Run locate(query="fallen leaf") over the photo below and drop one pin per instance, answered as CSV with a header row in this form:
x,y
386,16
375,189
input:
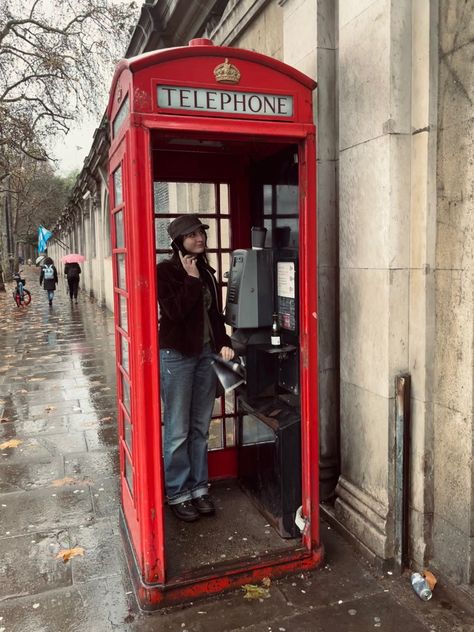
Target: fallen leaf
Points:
x,y
430,578
48,409
4,420
67,480
22,390
67,554
36,379
13,443
252,591
266,581
106,419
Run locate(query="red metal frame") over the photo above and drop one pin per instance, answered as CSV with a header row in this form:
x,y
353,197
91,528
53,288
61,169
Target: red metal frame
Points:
x,y
142,511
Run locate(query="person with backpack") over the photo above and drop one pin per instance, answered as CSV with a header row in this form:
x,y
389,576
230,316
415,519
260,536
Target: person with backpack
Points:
x,y
49,278
72,272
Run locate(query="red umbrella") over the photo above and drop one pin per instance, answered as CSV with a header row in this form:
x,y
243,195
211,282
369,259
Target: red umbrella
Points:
x,y
73,258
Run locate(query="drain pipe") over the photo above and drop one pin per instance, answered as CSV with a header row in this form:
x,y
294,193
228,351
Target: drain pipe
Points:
x,y
402,469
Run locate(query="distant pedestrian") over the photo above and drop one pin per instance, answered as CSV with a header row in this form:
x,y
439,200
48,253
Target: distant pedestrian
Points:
x,y
49,277
72,272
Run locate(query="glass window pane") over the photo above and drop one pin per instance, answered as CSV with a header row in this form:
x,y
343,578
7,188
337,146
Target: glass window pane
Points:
x,y
184,197
119,235
118,195
162,239
229,432
268,237
226,260
124,353
121,279
267,199
161,196
121,115
125,394
224,197
230,403
215,434
217,410
123,312
128,473
255,431
287,233
162,257
127,432
287,199
225,233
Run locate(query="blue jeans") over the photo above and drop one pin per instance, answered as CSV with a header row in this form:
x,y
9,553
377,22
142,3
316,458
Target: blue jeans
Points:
x,y
188,390
50,294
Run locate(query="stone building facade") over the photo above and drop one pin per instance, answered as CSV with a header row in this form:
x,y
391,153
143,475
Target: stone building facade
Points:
x,y
394,116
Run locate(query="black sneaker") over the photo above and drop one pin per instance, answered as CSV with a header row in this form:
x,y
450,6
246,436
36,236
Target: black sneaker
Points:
x,y
185,511
204,505
50,301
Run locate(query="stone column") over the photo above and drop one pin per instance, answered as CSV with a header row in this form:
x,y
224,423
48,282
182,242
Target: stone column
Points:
x,y
374,155
309,44
453,518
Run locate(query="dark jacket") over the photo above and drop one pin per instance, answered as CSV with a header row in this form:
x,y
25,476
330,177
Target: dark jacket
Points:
x,y
72,270
181,302
49,284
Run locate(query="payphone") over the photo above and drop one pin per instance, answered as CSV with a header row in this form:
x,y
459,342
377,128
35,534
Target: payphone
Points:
x,y
262,283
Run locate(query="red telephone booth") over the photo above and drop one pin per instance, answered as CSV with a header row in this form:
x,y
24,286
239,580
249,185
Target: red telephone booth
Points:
x,y
227,134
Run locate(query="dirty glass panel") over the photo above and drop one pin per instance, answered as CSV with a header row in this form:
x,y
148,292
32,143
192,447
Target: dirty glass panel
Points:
x,y
121,280
123,312
121,116
230,432
225,233
162,257
211,233
255,431
162,239
128,473
267,223
127,432
267,198
224,197
118,195
217,410
287,233
230,402
286,199
184,197
119,234
126,394
124,353
215,434
161,197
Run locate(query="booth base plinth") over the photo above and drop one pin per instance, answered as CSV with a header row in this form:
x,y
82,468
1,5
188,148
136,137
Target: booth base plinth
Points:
x,y
235,547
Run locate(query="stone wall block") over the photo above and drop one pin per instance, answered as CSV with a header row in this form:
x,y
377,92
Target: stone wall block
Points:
x,y
421,333
420,66
456,89
457,19
328,221
327,318
326,23
364,204
325,104
421,456
364,323
348,9
419,247
364,76
328,431
454,340
400,66
299,30
451,550
364,440
452,467
399,217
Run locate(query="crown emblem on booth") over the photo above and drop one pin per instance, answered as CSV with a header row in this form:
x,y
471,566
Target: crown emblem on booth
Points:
x,y
227,73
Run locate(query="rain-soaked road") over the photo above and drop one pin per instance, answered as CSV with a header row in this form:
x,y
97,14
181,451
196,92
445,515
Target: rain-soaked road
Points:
x,y
59,490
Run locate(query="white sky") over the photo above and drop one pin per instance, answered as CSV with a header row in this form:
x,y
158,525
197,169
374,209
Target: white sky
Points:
x,y
71,150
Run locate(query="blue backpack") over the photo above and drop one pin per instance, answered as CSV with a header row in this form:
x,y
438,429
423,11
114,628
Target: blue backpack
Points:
x,y
48,273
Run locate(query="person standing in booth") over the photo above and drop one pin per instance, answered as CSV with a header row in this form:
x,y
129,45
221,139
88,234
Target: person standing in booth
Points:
x,y
191,329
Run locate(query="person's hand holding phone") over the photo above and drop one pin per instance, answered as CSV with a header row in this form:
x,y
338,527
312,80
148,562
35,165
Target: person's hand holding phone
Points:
x,y
189,263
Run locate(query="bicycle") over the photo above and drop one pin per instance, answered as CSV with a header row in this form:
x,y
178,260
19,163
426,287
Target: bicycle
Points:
x,y
21,296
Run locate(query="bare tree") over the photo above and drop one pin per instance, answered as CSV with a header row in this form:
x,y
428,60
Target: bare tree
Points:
x,y
56,59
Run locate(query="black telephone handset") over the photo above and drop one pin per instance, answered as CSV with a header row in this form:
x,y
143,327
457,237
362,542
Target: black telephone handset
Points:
x,y
178,249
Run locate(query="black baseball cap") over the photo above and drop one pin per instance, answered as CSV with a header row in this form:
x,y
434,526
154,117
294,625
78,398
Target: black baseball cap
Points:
x,y
185,224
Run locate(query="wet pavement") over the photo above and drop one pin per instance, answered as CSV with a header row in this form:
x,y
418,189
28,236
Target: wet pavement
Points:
x,y
59,490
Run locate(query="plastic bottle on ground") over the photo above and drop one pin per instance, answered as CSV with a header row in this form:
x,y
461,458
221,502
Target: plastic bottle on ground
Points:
x,y
420,586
